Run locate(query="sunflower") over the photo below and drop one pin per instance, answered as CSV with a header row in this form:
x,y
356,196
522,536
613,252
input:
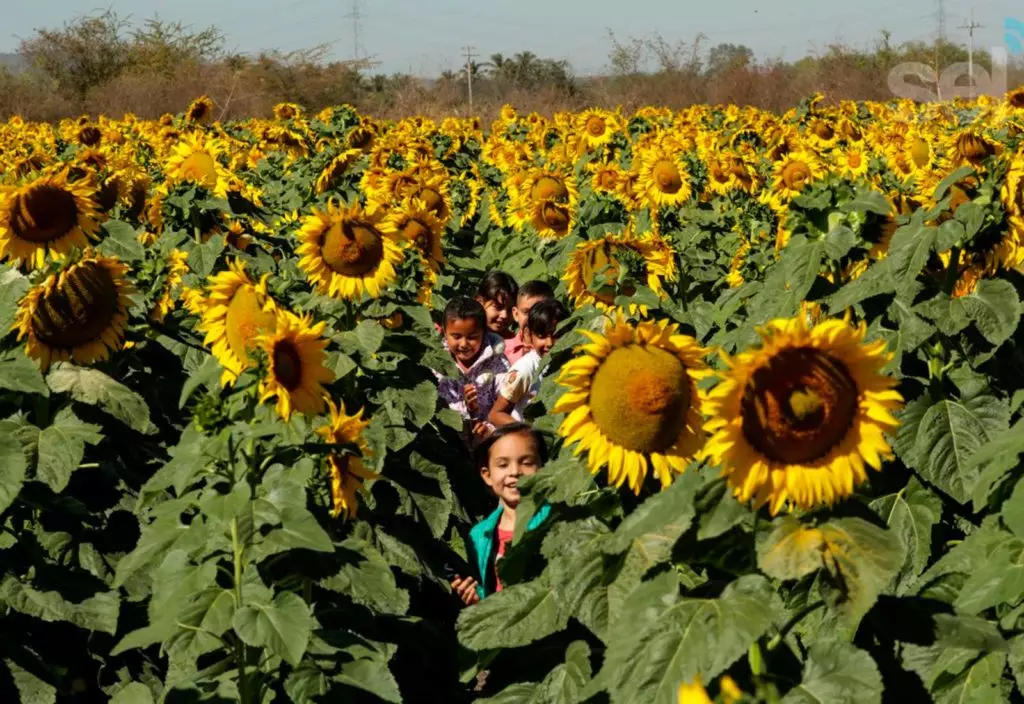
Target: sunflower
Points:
x,y
792,173
336,169
347,252
47,215
296,371
797,420
195,160
177,267
693,692
663,179
200,111
632,401
970,147
852,161
419,226
234,313
79,314
287,111
596,128
594,274
544,199
347,471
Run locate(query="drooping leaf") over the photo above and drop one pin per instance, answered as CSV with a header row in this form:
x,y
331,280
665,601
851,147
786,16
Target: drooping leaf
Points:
x,y
12,466
515,616
367,579
121,240
13,285
93,387
911,513
97,613
61,446
21,373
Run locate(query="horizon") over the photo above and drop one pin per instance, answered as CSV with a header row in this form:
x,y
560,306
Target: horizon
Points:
x,y
765,30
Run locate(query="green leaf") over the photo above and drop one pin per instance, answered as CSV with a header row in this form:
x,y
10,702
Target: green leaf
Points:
x,y
993,307
299,530
21,374
953,676
1013,510
657,523
909,249
1000,579
911,513
577,571
367,337
368,580
13,285
133,693
368,671
837,673
61,447
877,280
860,559
282,626
206,375
202,258
97,613
868,201
563,685
1009,443
93,387
663,639
12,466
517,615
718,511
121,241
802,261
948,434
31,689
157,538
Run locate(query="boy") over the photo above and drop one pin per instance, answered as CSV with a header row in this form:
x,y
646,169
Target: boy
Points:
x,y
479,359
519,387
509,453
529,293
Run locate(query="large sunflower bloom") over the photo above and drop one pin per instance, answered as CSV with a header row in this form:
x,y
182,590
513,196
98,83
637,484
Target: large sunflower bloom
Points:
x,y
347,252
663,179
296,373
632,401
797,420
234,313
347,471
195,160
47,215
79,314
420,227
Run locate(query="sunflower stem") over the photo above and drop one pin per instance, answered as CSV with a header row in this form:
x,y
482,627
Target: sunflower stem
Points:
x,y
240,650
799,616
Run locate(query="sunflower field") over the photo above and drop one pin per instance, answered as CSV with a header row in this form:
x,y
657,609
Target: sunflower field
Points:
x,y
785,414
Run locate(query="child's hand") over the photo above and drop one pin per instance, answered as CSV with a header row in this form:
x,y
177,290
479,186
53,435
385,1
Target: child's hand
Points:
x,y
465,587
470,393
482,429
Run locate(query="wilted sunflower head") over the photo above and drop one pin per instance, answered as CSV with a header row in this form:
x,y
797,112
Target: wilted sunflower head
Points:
x,y
78,314
200,111
797,420
348,471
632,401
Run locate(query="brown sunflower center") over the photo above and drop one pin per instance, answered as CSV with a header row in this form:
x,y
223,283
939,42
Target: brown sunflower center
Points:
x,y
799,406
549,188
1016,98
824,130
667,177
352,248
639,398
555,216
360,138
199,166
45,213
973,147
287,365
795,175
595,125
79,310
90,136
606,179
245,320
854,159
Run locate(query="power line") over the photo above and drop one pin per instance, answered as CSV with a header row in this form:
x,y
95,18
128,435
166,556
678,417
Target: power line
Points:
x,y
970,26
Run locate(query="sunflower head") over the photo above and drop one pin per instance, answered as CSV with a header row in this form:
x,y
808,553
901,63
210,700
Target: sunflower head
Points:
x,y
79,314
200,111
295,371
347,471
633,403
796,421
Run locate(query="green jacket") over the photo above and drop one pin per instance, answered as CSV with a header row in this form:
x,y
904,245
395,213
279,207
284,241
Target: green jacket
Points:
x,y
481,542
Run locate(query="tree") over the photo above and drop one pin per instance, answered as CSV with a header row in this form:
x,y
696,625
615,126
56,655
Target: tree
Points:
x,y
726,57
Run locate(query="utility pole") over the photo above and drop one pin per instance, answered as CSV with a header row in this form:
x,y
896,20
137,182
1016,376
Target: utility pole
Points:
x,y
355,16
469,72
940,39
970,26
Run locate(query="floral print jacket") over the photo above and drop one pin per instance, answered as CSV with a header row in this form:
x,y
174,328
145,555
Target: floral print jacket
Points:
x,y
483,374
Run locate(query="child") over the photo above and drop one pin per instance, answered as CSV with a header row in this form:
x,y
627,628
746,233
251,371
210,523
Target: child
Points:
x,y
529,293
509,453
517,388
497,293
479,358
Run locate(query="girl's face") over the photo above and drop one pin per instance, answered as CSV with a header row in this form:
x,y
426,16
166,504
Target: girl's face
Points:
x,y
541,345
465,338
511,457
499,315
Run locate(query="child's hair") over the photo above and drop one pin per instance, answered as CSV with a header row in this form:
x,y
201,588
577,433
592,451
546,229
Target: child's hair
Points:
x,y
536,289
465,308
482,454
499,287
545,317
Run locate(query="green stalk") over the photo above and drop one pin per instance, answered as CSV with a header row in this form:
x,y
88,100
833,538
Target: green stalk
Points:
x,y
952,271
240,650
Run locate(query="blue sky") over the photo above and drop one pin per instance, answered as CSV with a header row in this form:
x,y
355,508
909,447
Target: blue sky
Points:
x,y
424,37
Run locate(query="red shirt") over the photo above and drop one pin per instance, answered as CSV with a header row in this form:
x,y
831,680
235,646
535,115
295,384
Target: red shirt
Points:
x,y
515,348
504,538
